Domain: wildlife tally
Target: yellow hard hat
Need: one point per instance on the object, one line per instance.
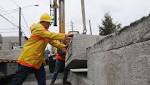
(46, 17)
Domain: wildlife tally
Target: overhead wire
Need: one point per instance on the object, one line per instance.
(6, 12)
(24, 20)
(1, 8)
(13, 28)
(11, 11)
(22, 17)
(8, 20)
(8, 32)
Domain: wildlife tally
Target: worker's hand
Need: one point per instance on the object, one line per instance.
(69, 35)
(66, 46)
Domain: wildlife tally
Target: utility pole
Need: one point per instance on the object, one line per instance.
(72, 25)
(55, 6)
(20, 34)
(83, 17)
(61, 16)
(90, 27)
(50, 8)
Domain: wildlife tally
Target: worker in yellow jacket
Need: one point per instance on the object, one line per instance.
(31, 58)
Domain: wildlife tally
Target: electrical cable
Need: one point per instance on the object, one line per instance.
(25, 20)
(8, 32)
(9, 11)
(8, 20)
(6, 13)
(13, 28)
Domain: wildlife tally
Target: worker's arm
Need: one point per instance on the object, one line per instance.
(39, 30)
(57, 44)
(51, 35)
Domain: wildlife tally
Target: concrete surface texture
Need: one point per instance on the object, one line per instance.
(9, 54)
(79, 78)
(122, 59)
(77, 50)
(138, 31)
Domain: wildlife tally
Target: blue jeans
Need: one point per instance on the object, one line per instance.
(59, 65)
(24, 71)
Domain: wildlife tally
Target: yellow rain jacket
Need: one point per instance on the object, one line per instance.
(32, 54)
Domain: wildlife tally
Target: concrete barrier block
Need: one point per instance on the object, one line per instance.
(77, 50)
(137, 32)
(129, 65)
(80, 79)
(9, 54)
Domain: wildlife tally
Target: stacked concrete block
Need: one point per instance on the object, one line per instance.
(77, 52)
(129, 65)
(138, 31)
(122, 59)
(9, 55)
(79, 79)
(8, 60)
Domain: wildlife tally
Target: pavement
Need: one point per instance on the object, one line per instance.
(31, 80)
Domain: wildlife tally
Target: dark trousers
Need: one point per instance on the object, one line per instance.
(59, 65)
(24, 71)
(66, 72)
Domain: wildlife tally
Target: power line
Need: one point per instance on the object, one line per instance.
(6, 12)
(23, 31)
(8, 20)
(25, 20)
(13, 28)
(8, 32)
(3, 10)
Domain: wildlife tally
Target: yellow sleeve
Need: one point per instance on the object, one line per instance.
(57, 44)
(39, 30)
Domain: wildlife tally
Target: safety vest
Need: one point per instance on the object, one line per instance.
(61, 55)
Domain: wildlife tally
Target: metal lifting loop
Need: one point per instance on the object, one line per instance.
(84, 31)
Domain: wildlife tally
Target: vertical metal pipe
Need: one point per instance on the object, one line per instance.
(61, 16)
(20, 34)
(83, 17)
(90, 27)
(72, 26)
(50, 5)
(55, 6)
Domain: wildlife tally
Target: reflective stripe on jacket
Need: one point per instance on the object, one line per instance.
(32, 54)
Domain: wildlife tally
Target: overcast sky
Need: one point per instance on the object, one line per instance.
(122, 11)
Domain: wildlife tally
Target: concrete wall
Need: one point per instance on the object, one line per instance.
(122, 58)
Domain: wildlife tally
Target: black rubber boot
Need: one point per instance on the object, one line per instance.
(66, 83)
(52, 82)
